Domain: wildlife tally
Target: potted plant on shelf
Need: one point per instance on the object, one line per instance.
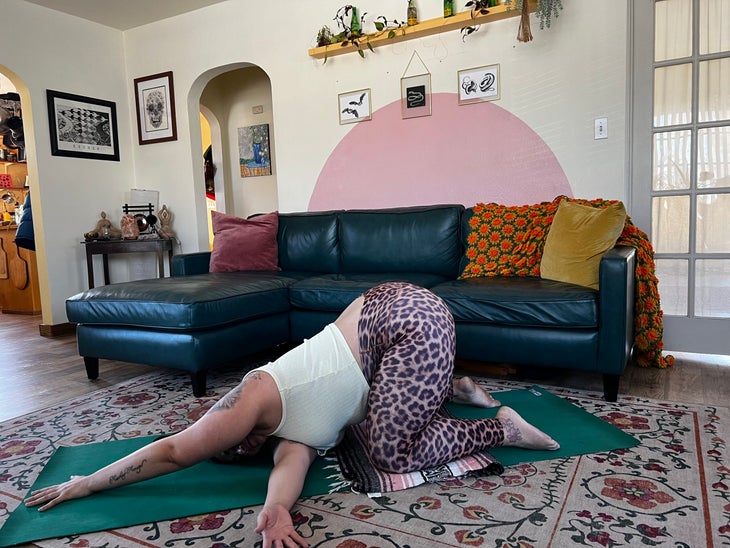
(350, 24)
(546, 10)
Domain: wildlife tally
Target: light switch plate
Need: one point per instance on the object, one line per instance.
(600, 128)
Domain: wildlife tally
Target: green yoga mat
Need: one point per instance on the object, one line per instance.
(577, 431)
(209, 487)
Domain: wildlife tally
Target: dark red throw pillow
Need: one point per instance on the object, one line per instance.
(244, 244)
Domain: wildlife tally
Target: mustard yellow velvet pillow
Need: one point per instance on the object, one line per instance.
(579, 237)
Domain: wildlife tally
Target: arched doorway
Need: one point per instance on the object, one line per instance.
(232, 100)
(20, 290)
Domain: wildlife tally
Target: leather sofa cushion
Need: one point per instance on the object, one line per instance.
(308, 242)
(185, 302)
(414, 239)
(334, 292)
(520, 301)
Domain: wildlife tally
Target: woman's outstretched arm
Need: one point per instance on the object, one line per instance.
(150, 461)
(291, 463)
(226, 424)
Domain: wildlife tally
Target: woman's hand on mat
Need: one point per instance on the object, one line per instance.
(275, 524)
(75, 488)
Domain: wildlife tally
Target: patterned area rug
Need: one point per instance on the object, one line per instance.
(672, 490)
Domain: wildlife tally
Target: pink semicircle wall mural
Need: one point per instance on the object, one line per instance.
(460, 155)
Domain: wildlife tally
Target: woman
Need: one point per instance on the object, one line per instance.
(388, 360)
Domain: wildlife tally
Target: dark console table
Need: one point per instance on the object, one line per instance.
(109, 247)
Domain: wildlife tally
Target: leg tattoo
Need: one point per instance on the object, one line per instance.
(511, 433)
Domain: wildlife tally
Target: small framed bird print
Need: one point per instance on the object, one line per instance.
(354, 106)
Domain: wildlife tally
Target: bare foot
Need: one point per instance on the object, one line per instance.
(469, 392)
(519, 433)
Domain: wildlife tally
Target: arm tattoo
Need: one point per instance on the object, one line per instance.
(231, 398)
(131, 469)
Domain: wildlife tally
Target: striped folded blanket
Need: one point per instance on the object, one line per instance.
(364, 477)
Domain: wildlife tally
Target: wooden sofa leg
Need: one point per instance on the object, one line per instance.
(610, 386)
(199, 380)
(92, 367)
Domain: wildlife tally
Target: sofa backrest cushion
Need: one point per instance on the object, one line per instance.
(408, 239)
(308, 242)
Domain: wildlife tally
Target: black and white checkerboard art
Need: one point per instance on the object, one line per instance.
(80, 125)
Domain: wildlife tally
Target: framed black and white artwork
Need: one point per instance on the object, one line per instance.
(478, 84)
(82, 127)
(415, 95)
(155, 100)
(354, 106)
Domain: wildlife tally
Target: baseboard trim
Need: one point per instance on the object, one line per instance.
(56, 330)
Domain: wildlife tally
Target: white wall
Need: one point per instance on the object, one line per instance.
(42, 50)
(557, 84)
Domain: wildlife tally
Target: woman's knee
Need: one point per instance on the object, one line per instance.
(389, 464)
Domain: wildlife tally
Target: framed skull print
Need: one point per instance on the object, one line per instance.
(155, 99)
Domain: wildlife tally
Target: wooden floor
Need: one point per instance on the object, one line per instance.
(36, 372)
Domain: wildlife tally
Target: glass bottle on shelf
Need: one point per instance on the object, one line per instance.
(448, 8)
(355, 26)
(412, 13)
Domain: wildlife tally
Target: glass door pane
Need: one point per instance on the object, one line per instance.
(673, 95)
(676, 42)
(714, 26)
(672, 160)
(712, 299)
(670, 224)
(713, 157)
(713, 223)
(714, 90)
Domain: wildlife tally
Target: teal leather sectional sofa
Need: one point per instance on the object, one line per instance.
(196, 320)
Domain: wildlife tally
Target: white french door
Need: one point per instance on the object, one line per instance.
(680, 162)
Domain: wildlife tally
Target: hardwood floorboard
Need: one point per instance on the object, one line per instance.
(37, 372)
(645, 382)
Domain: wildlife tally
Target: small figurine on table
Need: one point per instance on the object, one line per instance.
(105, 230)
(165, 231)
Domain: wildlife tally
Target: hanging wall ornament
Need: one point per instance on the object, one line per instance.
(524, 34)
(545, 11)
(415, 91)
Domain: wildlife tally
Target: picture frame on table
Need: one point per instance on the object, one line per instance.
(154, 97)
(478, 84)
(354, 106)
(82, 127)
(415, 95)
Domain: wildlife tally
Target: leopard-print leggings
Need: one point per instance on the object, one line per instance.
(407, 345)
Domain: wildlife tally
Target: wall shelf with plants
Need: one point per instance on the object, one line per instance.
(462, 20)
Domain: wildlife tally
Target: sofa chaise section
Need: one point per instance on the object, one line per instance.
(185, 322)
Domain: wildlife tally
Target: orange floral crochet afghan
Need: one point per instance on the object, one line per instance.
(509, 240)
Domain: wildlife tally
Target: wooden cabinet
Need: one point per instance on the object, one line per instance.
(19, 287)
